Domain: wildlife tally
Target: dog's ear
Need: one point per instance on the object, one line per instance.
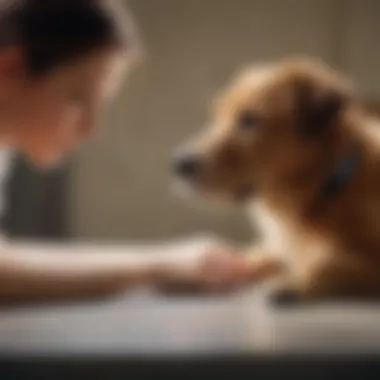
(319, 107)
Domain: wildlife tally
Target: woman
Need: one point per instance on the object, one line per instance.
(60, 64)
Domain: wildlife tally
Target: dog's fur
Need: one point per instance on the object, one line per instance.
(277, 132)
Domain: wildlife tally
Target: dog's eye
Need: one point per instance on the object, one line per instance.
(248, 121)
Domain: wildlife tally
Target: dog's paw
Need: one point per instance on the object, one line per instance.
(285, 297)
(284, 293)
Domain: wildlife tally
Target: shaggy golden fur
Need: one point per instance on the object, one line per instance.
(277, 133)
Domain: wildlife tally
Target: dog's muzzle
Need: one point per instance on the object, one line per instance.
(186, 166)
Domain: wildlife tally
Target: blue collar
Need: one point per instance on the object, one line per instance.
(342, 174)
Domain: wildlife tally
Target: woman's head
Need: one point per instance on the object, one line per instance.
(59, 62)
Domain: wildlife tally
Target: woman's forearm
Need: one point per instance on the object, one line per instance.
(29, 272)
(44, 272)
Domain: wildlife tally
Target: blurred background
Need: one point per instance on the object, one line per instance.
(118, 187)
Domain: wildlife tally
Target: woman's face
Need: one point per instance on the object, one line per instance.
(48, 117)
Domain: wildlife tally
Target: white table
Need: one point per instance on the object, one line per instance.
(144, 325)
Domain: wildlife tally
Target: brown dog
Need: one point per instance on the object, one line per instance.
(292, 142)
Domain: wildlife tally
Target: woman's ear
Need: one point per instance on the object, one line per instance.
(319, 107)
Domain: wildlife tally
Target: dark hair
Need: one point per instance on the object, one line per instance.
(58, 32)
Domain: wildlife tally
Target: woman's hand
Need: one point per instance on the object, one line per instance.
(213, 267)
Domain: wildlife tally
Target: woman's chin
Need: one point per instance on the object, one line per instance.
(45, 161)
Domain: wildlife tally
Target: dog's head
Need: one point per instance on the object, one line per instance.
(271, 124)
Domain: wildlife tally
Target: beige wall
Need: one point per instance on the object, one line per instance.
(121, 182)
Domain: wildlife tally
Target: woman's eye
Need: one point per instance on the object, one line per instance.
(248, 121)
(76, 99)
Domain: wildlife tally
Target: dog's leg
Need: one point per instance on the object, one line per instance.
(326, 281)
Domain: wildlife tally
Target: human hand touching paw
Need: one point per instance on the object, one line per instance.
(213, 267)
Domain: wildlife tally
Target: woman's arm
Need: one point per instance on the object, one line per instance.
(43, 272)
(33, 272)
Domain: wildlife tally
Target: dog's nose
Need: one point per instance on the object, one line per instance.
(186, 165)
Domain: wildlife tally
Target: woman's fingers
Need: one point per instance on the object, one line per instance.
(216, 269)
